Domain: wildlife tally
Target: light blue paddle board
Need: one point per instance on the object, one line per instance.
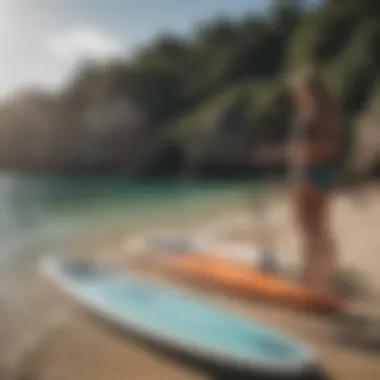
(169, 316)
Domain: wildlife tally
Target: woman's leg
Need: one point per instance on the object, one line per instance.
(312, 206)
(320, 263)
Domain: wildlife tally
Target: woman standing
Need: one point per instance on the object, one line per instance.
(313, 154)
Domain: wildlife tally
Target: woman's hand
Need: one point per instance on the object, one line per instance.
(298, 152)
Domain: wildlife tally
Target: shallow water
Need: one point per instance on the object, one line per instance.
(34, 210)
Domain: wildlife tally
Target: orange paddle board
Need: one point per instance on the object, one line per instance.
(223, 273)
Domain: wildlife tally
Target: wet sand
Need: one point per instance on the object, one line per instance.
(77, 348)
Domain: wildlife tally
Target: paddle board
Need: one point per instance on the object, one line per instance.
(163, 314)
(174, 245)
(250, 280)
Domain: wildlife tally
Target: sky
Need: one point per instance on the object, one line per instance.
(42, 41)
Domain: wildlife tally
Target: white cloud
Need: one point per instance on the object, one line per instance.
(83, 43)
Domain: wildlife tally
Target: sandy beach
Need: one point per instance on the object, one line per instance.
(57, 342)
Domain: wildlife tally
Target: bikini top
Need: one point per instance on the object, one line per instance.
(310, 124)
(306, 128)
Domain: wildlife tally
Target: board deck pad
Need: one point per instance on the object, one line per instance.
(172, 316)
(250, 280)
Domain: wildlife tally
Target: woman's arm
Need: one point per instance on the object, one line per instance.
(316, 150)
(305, 144)
(300, 150)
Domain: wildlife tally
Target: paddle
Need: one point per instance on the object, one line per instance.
(267, 257)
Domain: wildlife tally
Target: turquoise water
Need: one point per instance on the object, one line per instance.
(37, 209)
